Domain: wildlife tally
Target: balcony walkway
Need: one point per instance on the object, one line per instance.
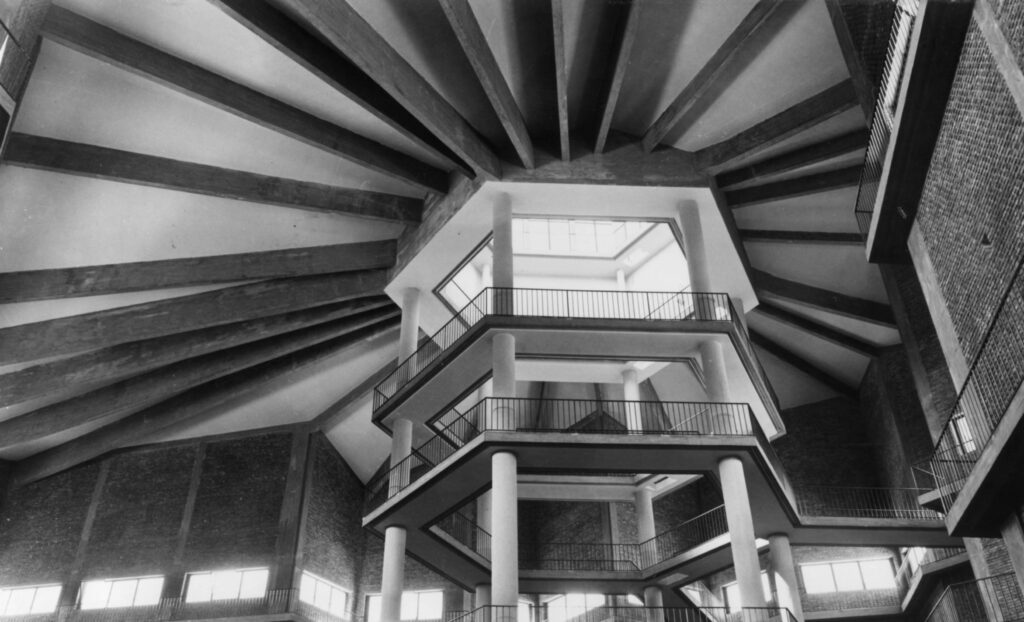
(550, 323)
(582, 436)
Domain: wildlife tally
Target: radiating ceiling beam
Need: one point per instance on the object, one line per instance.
(720, 70)
(801, 237)
(481, 58)
(627, 27)
(108, 45)
(793, 120)
(289, 38)
(561, 78)
(841, 304)
(342, 26)
(51, 154)
(862, 83)
(799, 186)
(101, 329)
(818, 330)
(107, 365)
(192, 406)
(129, 396)
(193, 271)
(796, 361)
(801, 157)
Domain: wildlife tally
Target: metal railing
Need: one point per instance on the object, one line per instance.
(466, 532)
(562, 416)
(565, 304)
(626, 613)
(991, 598)
(171, 609)
(862, 502)
(683, 537)
(580, 556)
(885, 109)
(913, 565)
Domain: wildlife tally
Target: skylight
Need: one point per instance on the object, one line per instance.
(575, 238)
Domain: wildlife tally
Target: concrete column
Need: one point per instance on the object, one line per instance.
(631, 393)
(643, 501)
(502, 246)
(504, 531)
(409, 334)
(482, 596)
(715, 377)
(786, 587)
(483, 518)
(653, 598)
(741, 531)
(501, 414)
(393, 575)
(401, 448)
(693, 244)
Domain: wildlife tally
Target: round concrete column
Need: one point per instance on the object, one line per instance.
(786, 587)
(631, 393)
(715, 377)
(502, 245)
(693, 244)
(741, 531)
(409, 333)
(392, 575)
(504, 531)
(654, 600)
(643, 501)
(401, 448)
(503, 383)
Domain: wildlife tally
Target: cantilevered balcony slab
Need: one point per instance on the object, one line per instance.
(574, 324)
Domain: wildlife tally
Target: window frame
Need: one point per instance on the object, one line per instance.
(860, 573)
(8, 590)
(418, 593)
(346, 612)
(112, 581)
(186, 585)
(766, 590)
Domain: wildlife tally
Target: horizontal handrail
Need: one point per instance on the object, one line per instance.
(684, 536)
(863, 502)
(992, 598)
(550, 303)
(466, 532)
(552, 612)
(172, 609)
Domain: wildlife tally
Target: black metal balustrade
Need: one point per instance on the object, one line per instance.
(561, 304)
(683, 537)
(911, 567)
(862, 502)
(466, 532)
(885, 110)
(992, 598)
(173, 609)
(625, 613)
(681, 419)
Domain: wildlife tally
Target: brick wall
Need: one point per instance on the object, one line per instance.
(826, 444)
(334, 541)
(893, 418)
(869, 23)
(139, 510)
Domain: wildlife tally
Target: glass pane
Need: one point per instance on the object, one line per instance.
(373, 608)
(225, 584)
(847, 576)
(200, 588)
(322, 598)
(409, 602)
(122, 593)
(20, 601)
(46, 599)
(525, 613)
(307, 589)
(818, 578)
(339, 602)
(94, 594)
(4, 596)
(431, 605)
(148, 592)
(877, 574)
(254, 583)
